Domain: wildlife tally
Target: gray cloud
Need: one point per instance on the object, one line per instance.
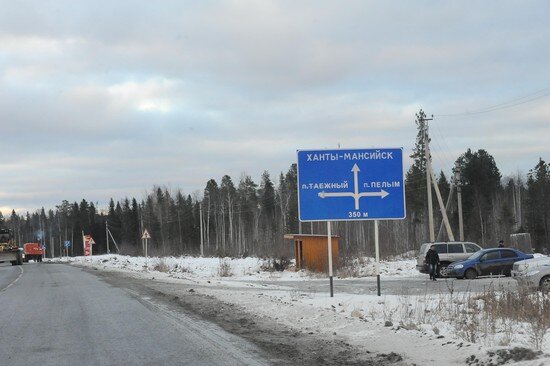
(105, 99)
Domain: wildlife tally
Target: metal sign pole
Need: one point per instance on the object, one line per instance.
(146, 258)
(377, 252)
(329, 234)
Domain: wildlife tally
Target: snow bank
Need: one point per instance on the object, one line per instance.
(425, 329)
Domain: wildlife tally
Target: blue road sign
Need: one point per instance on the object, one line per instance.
(67, 244)
(357, 184)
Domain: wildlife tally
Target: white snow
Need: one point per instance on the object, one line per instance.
(422, 327)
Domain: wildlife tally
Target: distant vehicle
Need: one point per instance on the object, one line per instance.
(535, 272)
(33, 251)
(486, 262)
(449, 252)
(9, 250)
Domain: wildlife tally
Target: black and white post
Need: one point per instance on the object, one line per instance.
(377, 253)
(329, 241)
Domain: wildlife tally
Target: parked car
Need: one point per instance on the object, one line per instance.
(449, 252)
(486, 262)
(535, 272)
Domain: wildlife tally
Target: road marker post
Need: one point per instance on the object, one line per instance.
(329, 235)
(377, 254)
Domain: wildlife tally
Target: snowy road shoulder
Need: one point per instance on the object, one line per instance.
(417, 327)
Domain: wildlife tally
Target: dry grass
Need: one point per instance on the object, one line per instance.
(224, 268)
(161, 266)
(491, 317)
(353, 267)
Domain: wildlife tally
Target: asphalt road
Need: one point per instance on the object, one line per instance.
(61, 315)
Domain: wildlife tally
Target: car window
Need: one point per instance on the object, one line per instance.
(491, 255)
(476, 255)
(471, 248)
(508, 254)
(441, 248)
(455, 248)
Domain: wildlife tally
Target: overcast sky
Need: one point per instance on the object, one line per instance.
(102, 99)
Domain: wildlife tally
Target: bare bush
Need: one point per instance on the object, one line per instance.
(161, 266)
(353, 267)
(224, 268)
(277, 264)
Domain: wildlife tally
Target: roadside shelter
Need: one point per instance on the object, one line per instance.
(311, 251)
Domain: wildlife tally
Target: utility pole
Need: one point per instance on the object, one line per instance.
(113, 239)
(442, 208)
(202, 231)
(107, 235)
(447, 206)
(459, 199)
(428, 177)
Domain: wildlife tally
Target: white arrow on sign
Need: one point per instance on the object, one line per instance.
(355, 194)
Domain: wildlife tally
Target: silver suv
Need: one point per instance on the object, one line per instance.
(535, 272)
(449, 252)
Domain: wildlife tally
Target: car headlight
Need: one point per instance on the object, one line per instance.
(459, 266)
(522, 267)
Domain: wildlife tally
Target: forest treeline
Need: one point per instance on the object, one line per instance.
(241, 218)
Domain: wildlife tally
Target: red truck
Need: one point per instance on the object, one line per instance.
(33, 251)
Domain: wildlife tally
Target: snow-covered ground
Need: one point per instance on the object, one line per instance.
(428, 329)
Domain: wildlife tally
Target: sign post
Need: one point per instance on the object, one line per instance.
(67, 246)
(351, 185)
(329, 242)
(146, 236)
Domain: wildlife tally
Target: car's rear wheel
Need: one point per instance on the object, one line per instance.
(545, 284)
(471, 274)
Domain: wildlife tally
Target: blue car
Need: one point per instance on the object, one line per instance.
(486, 262)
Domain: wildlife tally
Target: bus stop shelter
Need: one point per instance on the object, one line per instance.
(311, 251)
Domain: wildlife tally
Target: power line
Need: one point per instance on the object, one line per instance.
(542, 93)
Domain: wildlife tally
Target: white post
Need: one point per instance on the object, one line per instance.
(202, 230)
(329, 241)
(84, 244)
(107, 235)
(459, 199)
(146, 257)
(377, 254)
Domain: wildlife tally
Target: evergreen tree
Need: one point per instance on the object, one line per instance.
(480, 188)
(538, 190)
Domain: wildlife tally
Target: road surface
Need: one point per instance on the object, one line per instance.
(61, 315)
(57, 314)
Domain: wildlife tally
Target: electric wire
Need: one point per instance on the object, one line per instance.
(542, 93)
